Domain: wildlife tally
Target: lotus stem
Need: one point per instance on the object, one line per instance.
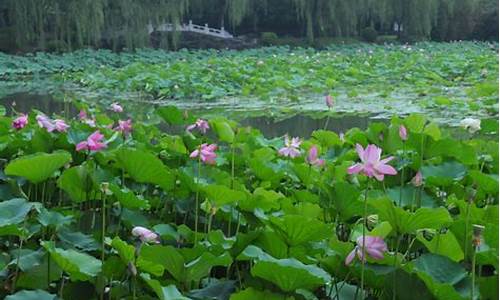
(232, 186)
(197, 198)
(402, 176)
(473, 279)
(394, 279)
(363, 261)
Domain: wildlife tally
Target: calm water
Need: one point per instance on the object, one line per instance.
(297, 125)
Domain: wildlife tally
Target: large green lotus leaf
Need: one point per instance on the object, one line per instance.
(410, 196)
(171, 114)
(167, 257)
(272, 243)
(464, 153)
(38, 167)
(263, 199)
(201, 266)
(405, 222)
(215, 290)
(444, 244)
(36, 277)
(53, 218)
(415, 122)
(80, 266)
(445, 278)
(76, 182)
(14, 211)
(145, 167)
(346, 200)
(297, 230)
(31, 295)
(128, 198)
(344, 291)
(78, 240)
(254, 294)
(426, 218)
(221, 195)
(327, 138)
(408, 286)
(163, 292)
(27, 258)
(223, 130)
(125, 251)
(290, 274)
(443, 174)
(487, 182)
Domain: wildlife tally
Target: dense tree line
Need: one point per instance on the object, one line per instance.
(71, 24)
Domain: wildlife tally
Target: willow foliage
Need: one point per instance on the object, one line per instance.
(71, 24)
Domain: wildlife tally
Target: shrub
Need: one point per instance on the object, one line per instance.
(269, 38)
(369, 34)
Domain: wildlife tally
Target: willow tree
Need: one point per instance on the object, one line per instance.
(78, 23)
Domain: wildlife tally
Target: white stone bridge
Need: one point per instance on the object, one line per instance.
(220, 33)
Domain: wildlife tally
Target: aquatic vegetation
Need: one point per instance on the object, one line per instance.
(90, 212)
(446, 81)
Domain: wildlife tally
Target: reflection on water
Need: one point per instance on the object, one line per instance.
(304, 125)
(24, 102)
(298, 125)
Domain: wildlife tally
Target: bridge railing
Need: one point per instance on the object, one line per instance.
(221, 33)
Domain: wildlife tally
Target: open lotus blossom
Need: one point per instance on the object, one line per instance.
(329, 101)
(45, 122)
(206, 153)
(291, 148)
(200, 124)
(82, 115)
(116, 107)
(145, 235)
(93, 143)
(374, 247)
(418, 179)
(403, 133)
(124, 126)
(20, 122)
(312, 157)
(60, 125)
(371, 165)
(470, 124)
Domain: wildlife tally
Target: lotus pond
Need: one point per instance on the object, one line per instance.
(164, 195)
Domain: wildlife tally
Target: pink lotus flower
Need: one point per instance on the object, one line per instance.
(45, 122)
(403, 133)
(82, 115)
(312, 157)
(200, 124)
(206, 153)
(371, 165)
(20, 122)
(418, 180)
(93, 143)
(145, 235)
(291, 148)
(116, 107)
(374, 247)
(124, 126)
(60, 125)
(329, 101)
